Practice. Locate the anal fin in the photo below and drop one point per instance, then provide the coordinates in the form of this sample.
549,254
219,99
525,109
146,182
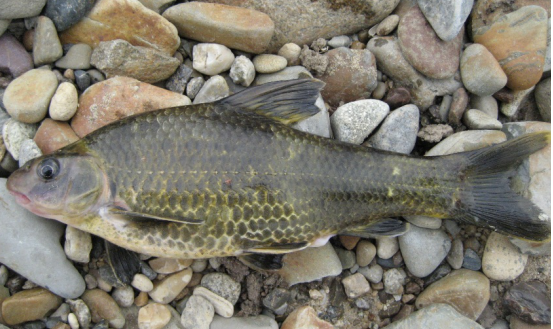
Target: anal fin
388,227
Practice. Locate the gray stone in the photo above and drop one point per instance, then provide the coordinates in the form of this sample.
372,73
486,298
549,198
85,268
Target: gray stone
123,296
14,133
365,252
423,249
289,73
354,121
436,316
481,73
486,104
530,302
177,82
310,264
467,141
471,260
386,247
387,25
28,151
12,9
543,98
194,86
478,120
31,247
213,89
446,17
66,13
4,23
77,58
82,79
242,71
379,91
455,256
250,322
424,221
394,279
510,109
373,273
339,41
547,65
319,124
277,300
223,285
81,311
197,314
46,44
392,63
398,132
347,257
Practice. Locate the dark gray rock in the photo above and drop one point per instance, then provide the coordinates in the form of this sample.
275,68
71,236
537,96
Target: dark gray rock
529,302
472,261
177,82
83,79
66,13
277,300
223,285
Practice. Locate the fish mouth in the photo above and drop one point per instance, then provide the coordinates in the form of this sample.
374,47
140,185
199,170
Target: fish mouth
20,198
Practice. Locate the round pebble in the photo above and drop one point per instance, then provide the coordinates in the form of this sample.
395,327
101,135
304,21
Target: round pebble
242,71
199,265
14,133
372,273
387,25
212,58
73,322
380,90
222,306
153,316
78,245
471,260
423,249
64,103
394,279
398,132
213,89
291,52
197,314
102,306
347,258
223,285
455,256
166,290
356,285
339,41
501,260
268,63
486,104
27,97
481,73
386,247
194,86
365,252
354,121
142,283
124,296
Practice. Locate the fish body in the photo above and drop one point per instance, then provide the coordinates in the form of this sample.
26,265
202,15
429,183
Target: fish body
222,179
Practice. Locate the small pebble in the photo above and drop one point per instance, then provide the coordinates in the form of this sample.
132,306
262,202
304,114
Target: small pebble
213,89
365,252
486,104
398,132
77,58
387,25
141,299
305,317
153,316
386,247
455,256
46,44
3,275
277,300
380,91
471,260
178,81
124,296
356,285
394,279
73,322
81,311
102,306
347,258
476,119
166,290
372,273
82,79
339,41
268,63
242,71
28,151
222,306
64,103
291,52
197,314
223,285
354,121
199,265
142,283
14,133
91,282
211,58
62,312
78,245
194,86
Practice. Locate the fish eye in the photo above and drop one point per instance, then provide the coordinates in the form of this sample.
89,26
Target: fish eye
48,168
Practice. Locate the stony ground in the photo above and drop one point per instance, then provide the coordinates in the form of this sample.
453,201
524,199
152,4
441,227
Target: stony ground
415,77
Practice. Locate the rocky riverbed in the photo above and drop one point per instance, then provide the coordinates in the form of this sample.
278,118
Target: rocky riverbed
412,76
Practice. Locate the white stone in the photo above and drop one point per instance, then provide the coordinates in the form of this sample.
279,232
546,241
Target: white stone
153,316
15,133
268,63
73,322
167,289
501,260
212,58
394,280
354,121
213,89
64,103
78,245
124,296
222,306
423,249
467,141
142,283
291,52
198,313
486,104
478,120
28,151
199,265
339,41
510,109
386,247
242,71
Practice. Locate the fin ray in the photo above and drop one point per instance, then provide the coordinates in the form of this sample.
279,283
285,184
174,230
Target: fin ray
383,227
137,216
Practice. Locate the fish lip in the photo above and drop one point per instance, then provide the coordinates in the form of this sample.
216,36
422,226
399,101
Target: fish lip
20,198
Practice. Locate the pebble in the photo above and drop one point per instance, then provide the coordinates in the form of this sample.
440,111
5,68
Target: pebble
291,52
242,71
519,98
458,106
365,252
387,25
354,121
177,82
77,58
347,257
3,275
82,79
305,317
78,245
64,103
198,313
398,132
13,56
467,141
199,265
29,305
501,260
62,312
124,296
222,306
478,120
486,104
310,264
27,97
423,249
15,9
434,134
289,73
356,285
53,135
446,17
350,75
339,41
393,64
73,321
169,265
102,306
213,89
436,316
268,63
237,28
394,280
465,290
118,97
46,44
167,289
40,258
445,105
527,29
379,91
212,58
80,311
153,316
349,242
386,247
28,151
471,260
141,299
427,53
481,73
125,20
223,285
397,97
65,13
277,300
194,86
373,273
543,98
147,65
455,257
91,282
249,322
529,302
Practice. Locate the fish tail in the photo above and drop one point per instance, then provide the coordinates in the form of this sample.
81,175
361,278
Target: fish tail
490,201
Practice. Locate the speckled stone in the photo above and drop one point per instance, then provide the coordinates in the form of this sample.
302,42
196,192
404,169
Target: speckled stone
310,264
28,151
291,52
222,306
398,132
446,17
242,71
78,245
14,133
356,285
223,285
269,63
197,314
354,121
502,261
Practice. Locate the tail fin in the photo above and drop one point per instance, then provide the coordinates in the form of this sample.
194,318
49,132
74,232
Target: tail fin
491,202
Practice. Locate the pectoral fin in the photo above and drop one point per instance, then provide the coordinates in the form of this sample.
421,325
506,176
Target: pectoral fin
123,263
137,216
382,227
264,262
278,248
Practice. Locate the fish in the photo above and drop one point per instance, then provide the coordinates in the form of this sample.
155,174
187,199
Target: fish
233,178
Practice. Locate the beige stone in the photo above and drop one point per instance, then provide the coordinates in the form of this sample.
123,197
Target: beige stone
29,305
153,316
166,290
222,306
305,317
169,265
502,261
103,306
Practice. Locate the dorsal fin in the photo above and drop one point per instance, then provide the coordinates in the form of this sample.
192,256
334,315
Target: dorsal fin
285,101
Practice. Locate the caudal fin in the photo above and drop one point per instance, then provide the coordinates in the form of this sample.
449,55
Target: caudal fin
490,202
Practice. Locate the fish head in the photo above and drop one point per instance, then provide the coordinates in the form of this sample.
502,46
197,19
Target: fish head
65,187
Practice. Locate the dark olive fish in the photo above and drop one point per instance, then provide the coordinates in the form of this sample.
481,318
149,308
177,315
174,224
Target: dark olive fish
232,177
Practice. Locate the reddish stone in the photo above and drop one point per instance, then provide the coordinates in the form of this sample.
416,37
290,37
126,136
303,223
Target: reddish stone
53,135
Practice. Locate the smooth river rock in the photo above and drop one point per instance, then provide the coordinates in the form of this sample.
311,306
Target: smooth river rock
436,316
501,260
423,249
